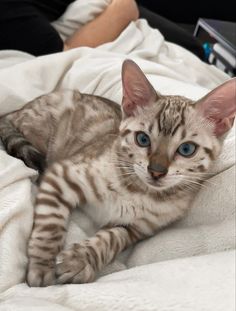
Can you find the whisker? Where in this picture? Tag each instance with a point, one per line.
(123, 161)
(189, 186)
(125, 174)
(113, 135)
(196, 183)
(209, 182)
(124, 167)
(119, 164)
(204, 180)
(201, 173)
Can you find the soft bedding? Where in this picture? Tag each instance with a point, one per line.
(188, 266)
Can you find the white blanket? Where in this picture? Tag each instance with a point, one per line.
(200, 283)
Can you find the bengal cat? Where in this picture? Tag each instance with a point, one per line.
(133, 169)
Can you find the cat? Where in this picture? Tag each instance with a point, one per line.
(133, 170)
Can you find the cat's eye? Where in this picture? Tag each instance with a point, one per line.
(142, 139)
(187, 149)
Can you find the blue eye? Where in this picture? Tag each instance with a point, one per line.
(187, 149)
(142, 139)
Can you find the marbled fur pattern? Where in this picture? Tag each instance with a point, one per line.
(93, 162)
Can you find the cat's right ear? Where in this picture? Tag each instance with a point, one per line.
(219, 106)
(137, 90)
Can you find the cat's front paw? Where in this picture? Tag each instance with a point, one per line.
(74, 266)
(40, 273)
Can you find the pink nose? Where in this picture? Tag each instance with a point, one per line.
(157, 175)
(157, 171)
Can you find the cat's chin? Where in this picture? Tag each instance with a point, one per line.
(160, 185)
(157, 185)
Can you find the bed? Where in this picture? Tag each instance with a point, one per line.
(189, 265)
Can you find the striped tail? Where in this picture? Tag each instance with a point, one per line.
(17, 146)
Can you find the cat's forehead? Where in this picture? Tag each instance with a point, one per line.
(170, 106)
(166, 115)
(171, 114)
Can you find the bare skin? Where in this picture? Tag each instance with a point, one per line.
(106, 27)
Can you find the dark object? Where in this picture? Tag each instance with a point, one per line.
(207, 49)
(219, 40)
(52, 9)
(219, 31)
(188, 12)
(25, 25)
(172, 32)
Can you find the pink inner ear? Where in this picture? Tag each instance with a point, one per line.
(220, 106)
(137, 90)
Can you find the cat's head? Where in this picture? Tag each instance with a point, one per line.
(168, 141)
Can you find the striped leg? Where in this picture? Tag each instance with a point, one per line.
(83, 261)
(58, 195)
(18, 146)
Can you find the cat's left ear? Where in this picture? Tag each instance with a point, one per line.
(137, 90)
(219, 106)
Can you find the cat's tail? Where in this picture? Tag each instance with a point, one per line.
(17, 146)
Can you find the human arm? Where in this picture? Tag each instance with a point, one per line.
(106, 27)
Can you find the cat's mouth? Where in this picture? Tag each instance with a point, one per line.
(146, 178)
(158, 184)
(163, 183)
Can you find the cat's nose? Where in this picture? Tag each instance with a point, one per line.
(157, 175)
(157, 172)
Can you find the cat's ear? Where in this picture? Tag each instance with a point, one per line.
(137, 90)
(219, 106)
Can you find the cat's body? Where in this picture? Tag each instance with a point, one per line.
(81, 130)
(98, 158)
(60, 124)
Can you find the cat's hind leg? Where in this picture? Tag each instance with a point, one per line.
(18, 146)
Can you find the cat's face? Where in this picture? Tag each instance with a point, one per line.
(168, 144)
(168, 141)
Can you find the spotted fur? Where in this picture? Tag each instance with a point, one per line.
(93, 162)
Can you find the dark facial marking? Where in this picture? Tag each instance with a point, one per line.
(125, 132)
(158, 115)
(124, 149)
(182, 116)
(201, 168)
(165, 130)
(209, 152)
(183, 134)
(178, 108)
(150, 128)
(175, 129)
(182, 122)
